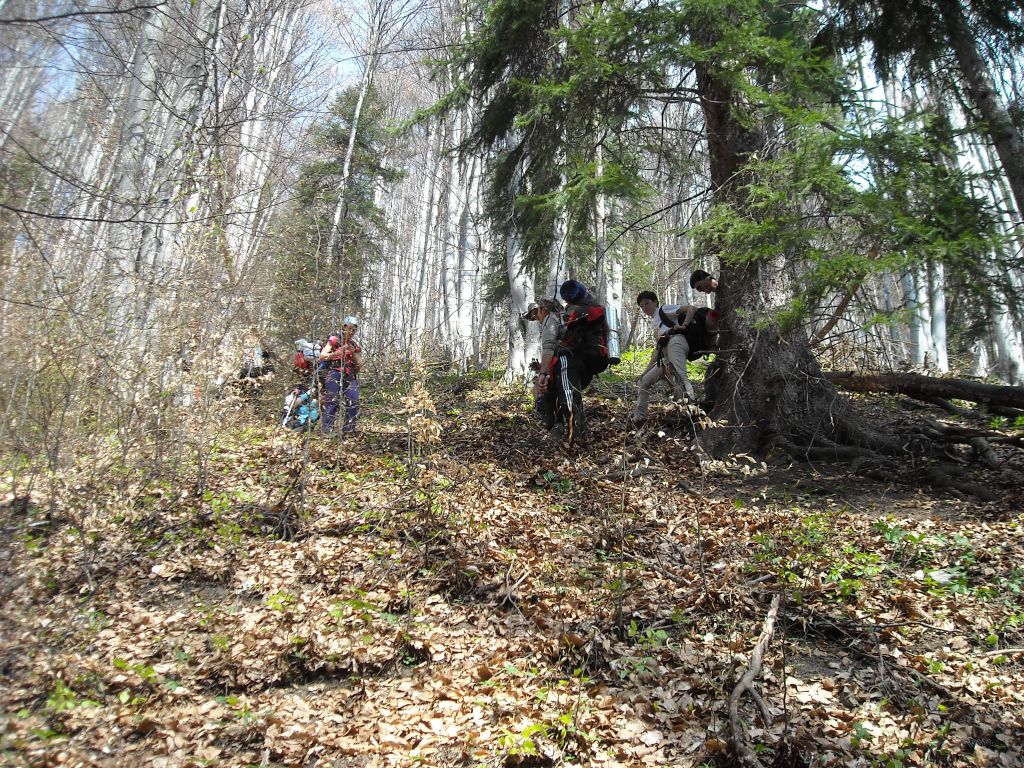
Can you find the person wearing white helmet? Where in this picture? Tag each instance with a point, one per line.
(344, 358)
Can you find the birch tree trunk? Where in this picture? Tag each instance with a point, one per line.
(424, 227)
(937, 299)
(341, 208)
(520, 292)
(520, 295)
(919, 310)
(470, 247)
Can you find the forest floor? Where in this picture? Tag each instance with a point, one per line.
(461, 593)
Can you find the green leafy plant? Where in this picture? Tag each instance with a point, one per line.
(649, 637)
(62, 699)
(524, 743)
(280, 601)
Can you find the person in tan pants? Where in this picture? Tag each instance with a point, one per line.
(670, 353)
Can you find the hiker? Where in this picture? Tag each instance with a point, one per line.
(257, 370)
(581, 352)
(683, 332)
(300, 408)
(547, 312)
(703, 282)
(306, 354)
(343, 358)
(706, 283)
(257, 363)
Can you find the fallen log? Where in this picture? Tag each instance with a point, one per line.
(928, 388)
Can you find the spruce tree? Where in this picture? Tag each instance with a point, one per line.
(923, 32)
(777, 154)
(314, 286)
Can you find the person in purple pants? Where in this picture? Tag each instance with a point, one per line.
(344, 359)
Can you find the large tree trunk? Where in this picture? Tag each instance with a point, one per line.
(520, 292)
(557, 257)
(770, 389)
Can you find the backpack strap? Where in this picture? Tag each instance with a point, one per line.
(665, 319)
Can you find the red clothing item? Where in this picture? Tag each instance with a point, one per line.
(346, 361)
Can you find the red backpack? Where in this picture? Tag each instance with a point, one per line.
(586, 333)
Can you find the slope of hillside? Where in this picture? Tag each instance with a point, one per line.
(460, 592)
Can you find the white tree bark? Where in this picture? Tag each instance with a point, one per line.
(422, 247)
(469, 245)
(520, 293)
(937, 301)
(341, 207)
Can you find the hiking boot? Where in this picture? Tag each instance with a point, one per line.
(556, 434)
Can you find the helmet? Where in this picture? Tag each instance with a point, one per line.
(351, 320)
(572, 291)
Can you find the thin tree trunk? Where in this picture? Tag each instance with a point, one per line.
(341, 207)
(937, 299)
(424, 226)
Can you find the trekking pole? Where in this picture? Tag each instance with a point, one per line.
(288, 413)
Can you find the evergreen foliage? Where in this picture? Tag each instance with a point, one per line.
(837, 225)
(917, 31)
(552, 89)
(314, 287)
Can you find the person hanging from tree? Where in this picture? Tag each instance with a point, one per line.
(344, 359)
(683, 332)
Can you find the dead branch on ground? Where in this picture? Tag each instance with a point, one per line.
(737, 741)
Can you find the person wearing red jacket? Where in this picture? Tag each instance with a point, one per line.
(344, 359)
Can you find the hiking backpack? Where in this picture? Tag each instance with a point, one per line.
(700, 339)
(585, 332)
(306, 354)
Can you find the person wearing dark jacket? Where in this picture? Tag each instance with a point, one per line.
(703, 281)
(581, 354)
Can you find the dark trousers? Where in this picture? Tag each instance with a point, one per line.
(338, 387)
(563, 402)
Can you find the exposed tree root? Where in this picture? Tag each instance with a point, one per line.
(771, 397)
(944, 404)
(737, 741)
(833, 452)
